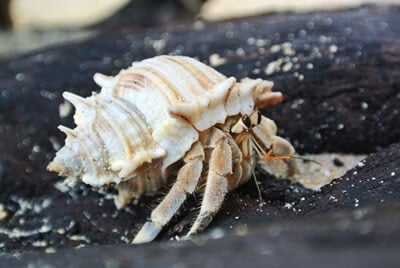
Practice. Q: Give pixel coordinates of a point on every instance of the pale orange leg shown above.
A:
(268, 156)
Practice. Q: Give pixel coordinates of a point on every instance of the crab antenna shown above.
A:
(260, 151)
(258, 187)
(269, 156)
(307, 159)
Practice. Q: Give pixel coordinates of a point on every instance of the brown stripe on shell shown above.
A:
(142, 141)
(169, 77)
(137, 117)
(200, 82)
(201, 77)
(132, 80)
(211, 74)
(129, 150)
(99, 164)
(103, 126)
(162, 84)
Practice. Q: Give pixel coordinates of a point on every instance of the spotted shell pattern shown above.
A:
(146, 119)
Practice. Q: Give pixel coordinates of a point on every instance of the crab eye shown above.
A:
(246, 120)
(259, 117)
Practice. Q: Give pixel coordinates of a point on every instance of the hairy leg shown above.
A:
(185, 184)
(220, 169)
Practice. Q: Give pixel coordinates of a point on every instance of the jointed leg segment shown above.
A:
(283, 151)
(269, 156)
(220, 166)
(185, 184)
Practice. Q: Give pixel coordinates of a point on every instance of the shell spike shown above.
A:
(268, 99)
(76, 100)
(265, 86)
(207, 110)
(53, 166)
(158, 152)
(104, 80)
(191, 111)
(67, 131)
(220, 91)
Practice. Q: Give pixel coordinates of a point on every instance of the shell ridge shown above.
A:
(211, 74)
(138, 148)
(161, 84)
(166, 75)
(84, 108)
(175, 133)
(208, 110)
(246, 89)
(190, 87)
(97, 172)
(161, 132)
(201, 80)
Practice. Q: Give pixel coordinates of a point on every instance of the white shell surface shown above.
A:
(153, 86)
(152, 110)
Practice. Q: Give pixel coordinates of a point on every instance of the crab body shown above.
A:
(171, 119)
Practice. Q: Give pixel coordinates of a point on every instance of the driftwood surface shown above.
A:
(339, 73)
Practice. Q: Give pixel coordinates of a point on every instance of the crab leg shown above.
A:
(185, 184)
(283, 151)
(220, 168)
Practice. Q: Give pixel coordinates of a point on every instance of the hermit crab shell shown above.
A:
(149, 115)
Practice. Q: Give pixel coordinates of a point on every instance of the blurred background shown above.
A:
(26, 25)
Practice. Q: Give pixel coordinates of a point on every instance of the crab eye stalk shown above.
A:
(246, 120)
(259, 117)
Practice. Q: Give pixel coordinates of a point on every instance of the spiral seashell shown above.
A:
(161, 111)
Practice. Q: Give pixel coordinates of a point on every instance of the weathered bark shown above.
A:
(342, 97)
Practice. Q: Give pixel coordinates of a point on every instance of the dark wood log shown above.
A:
(351, 239)
(340, 78)
(5, 19)
(150, 13)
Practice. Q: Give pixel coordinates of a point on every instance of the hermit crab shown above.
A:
(172, 120)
